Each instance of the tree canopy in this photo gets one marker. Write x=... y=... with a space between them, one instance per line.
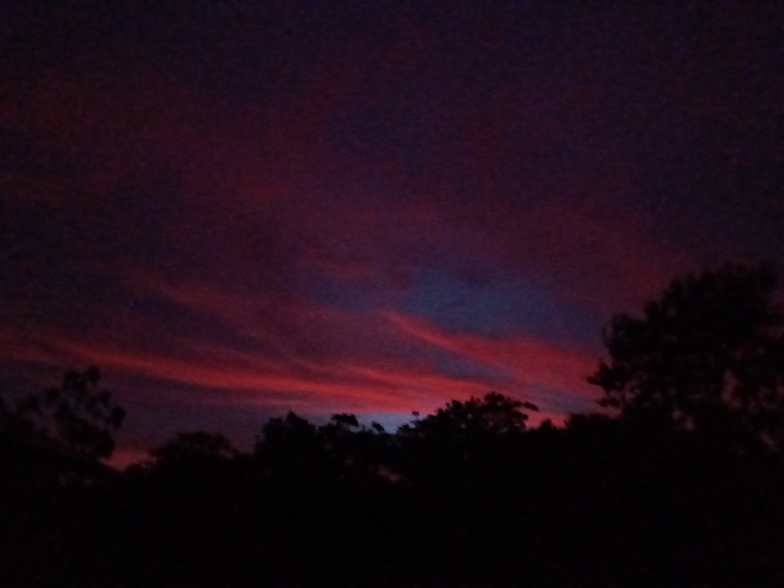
x=707 y=355
x=78 y=415
x=493 y=414
x=191 y=446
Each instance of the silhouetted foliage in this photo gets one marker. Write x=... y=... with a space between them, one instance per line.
x=78 y=414
x=708 y=356
x=291 y=430
x=193 y=446
x=52 y=441
x=494 y=414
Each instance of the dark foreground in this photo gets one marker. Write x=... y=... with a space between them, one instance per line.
x=596 y=504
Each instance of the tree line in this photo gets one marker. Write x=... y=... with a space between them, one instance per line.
x=676 y=482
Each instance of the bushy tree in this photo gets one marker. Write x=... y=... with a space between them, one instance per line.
x=79 y=415
x=194 y=446
x=466 y=441
x=495 y=414
x=706 y=356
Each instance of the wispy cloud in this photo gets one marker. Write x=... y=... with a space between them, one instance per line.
x=531 y=363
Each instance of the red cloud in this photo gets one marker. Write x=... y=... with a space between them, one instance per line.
x=243 y=379
x=530 y=362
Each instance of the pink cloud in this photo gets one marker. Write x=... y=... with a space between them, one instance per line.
x=531 y=363
x=225 y=376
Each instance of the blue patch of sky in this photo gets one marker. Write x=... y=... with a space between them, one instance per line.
x=491 y=306
x=499 y=308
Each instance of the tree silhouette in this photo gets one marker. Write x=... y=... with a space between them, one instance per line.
x=493 y=414
x=288 y=435
x=79 y=415
x=707 y=356
x=468 y=496
x=194 y=446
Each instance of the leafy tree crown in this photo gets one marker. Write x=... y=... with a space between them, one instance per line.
x=708 y=355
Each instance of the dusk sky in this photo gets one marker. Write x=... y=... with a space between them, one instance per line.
x=236 y=209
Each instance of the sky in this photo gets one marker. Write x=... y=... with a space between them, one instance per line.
x=235 y=209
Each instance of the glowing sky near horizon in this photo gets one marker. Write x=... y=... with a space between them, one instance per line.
x=237 y=209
